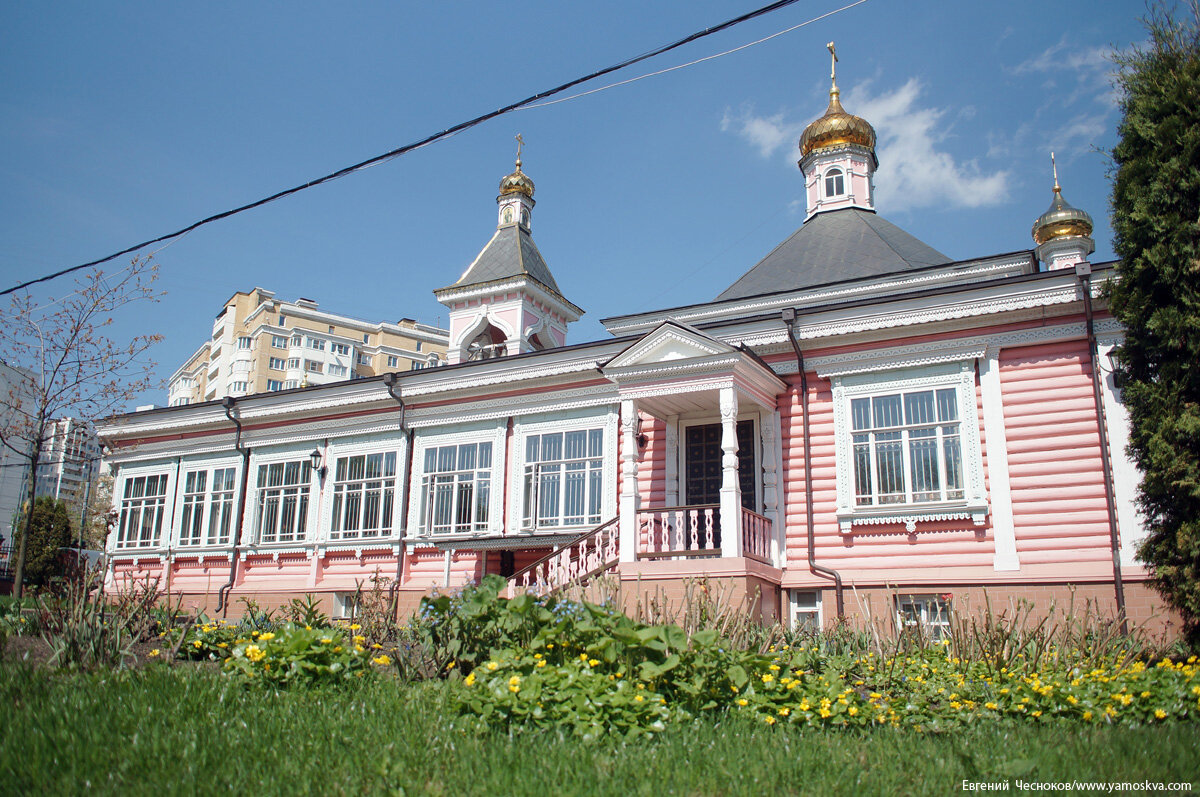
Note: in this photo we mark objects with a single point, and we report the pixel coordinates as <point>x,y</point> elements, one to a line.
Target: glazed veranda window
<point>563,478</point>
<point>907,448</point>
<point>456,488</point>
<point>142,504</point>
<point>364,490</point>
<point>207,507</point>
<point>281,501</point>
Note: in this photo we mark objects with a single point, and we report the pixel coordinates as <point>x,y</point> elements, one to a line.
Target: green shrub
<point>296,654</point>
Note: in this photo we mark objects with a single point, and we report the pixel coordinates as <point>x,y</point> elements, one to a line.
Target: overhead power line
<point>394,153</point>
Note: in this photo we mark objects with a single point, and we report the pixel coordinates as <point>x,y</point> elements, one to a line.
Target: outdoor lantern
<point>314,460</point>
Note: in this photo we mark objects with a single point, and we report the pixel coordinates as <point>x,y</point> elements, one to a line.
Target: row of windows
<point>563,486</point>
<point>926,615</point>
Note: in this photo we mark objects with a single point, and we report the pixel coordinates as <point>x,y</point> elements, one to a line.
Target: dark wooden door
<point>702,464</point>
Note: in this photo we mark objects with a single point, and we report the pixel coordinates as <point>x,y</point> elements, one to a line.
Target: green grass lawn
<point>187,731</point>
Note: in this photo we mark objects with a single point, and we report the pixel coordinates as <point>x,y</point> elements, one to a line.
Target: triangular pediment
<point>668,342</point>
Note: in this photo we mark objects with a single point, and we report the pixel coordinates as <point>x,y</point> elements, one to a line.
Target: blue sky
<point>125,122</point>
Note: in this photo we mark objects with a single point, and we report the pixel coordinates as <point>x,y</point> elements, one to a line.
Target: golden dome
<point>837,127</point>
<point>1061,220</point>
<point>517,183</point>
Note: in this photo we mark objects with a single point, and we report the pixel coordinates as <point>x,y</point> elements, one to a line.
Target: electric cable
<point>450,131</point>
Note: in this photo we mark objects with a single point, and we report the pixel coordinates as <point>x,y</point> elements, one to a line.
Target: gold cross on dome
<point>834,60</point>
<point>520,144</point>
<point>1054,168</point>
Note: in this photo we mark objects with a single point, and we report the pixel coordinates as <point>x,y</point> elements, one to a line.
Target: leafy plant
<point>305,611</point>
<point>299,655</point>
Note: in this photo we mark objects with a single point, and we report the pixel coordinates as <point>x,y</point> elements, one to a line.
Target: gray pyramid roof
<point>510,253</point>
<point>834,247</point>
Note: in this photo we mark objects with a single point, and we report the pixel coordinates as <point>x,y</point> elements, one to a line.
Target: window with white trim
<point>274,385</point>
<point>207,506</point>
<point>337,370</point>
<point>278,363</point>
<point>291,384</point>
<point>239,387</point>
<point>416,366</point>
<point>393,361</point>
<point>806,610</point>
<point>340,348</point>
<point>316,344</point>
<point>245,342</point>
<point>908,446</point>
<point>835,183</point>
<point>279,341</point>
<point>364,492</point>
<point>928,615</point>
<point>293,363</point>
<point>314,367</point>
<point>364,359</point>
<point>143,502</point>
<point>456,488</point>
<point>564,476</point>
<point>297,340</point>
<point>281,500</point>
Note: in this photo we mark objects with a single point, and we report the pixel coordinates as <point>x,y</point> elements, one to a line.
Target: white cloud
<point>915,169</point>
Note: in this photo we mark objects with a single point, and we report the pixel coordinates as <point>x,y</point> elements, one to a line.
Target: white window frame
<point>396,447</point>
<point>491,432</point>
<point>393,361</point>
<point>605,420</point>
<point>274,385</point>
<point>277,363</point>
<point>958,375</point>
<point>805,611</point>
<point>245,342</point>
<point>125,505</point>
<point>279,341</point>
<point>316,344</point>
<point>314,367</point>
<point>364,359</point>
<point>252,519</point>
<point>336,370</point>
<point>833,175</point>
<point>339,348</point>
<point>226,500</point>
<point>929,612</point>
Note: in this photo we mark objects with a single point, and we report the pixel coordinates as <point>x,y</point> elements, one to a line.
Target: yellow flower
<point>1160,714</point>
<point>222,645</point>
<point>1036,713</point>
<point>990,705</point>
<point>769,720</point>
<point>583,657</point>
<point>783,712</point>
<point>337,649</point>
<point>743,701</point>
<point>542,663</point>
<point>376,646</point>
<point>359,648</point>
<point>154,653</point>
<point>639,699</point>
<point>359,639</point>
<point>1145,694</point>
<point>1087,715</point>
<point>382,660</point>
<point>593,662</point>
<point>267,637</point>
<point>1072,699</point>
<point>197,644</point>
<point>824,712</point>
<point>326,640</point>
<point>804,705</point>
<point>514,681</point>
<point>470,679</point>
<point>853,710</point>
<point>255,653</point>
<point>766,679</point>
<point>355,627</point>
<point>491,665</point>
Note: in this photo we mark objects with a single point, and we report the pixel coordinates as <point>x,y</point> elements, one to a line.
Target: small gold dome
<point>837,127</point>
<point>1061,220</point>
<point>517,183</point>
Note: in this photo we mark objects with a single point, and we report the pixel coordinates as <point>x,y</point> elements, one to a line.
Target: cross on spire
<point>833,63</point>
<point>520,144</point>
<point>1054,168</point>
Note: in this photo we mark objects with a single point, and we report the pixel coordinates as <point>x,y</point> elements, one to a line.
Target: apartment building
<point>68,462</point>
<point>260,344</point>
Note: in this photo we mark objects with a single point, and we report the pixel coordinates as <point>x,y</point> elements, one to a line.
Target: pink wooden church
<point>856,418</point>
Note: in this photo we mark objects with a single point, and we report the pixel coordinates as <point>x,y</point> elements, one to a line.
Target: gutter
<point>789,318</point>
<point>1083,271</point>
<point>228,403</point>
<point>390,380</point>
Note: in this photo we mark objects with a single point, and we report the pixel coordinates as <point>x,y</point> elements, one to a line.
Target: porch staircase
<point>575,564</point>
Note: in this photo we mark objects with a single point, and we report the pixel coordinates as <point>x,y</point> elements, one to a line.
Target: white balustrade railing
<point>589,555</point>
<point>756,536</point>
<point>679,530</point>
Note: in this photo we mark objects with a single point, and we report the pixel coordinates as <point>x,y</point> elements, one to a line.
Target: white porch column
<point>769,432</point>
<point>629,482</point>
<point>731,494</point>
<point>1003,528</point>
<point>1126,477</point>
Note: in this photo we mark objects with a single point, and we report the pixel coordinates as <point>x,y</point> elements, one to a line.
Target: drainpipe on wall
<point>1083,271</point>
<point>789,318</point>
<point>228,403</point>
<point>390,381</point>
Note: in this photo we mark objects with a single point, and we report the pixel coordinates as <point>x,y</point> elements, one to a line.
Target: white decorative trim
<point>961,376</point>
<point>1003,525</point>
<point>606,421</point>
<point>494,433</point>
<point>396,443</point>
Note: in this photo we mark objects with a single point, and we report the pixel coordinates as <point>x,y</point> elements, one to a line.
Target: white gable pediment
<point>668,342</point>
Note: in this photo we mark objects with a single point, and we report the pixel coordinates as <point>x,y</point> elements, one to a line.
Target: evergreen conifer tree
<point>1156,225</point>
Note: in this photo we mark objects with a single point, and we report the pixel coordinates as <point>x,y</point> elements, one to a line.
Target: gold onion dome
<point>837,127</point>
<point>517,183</point>
<point>1061,220</point>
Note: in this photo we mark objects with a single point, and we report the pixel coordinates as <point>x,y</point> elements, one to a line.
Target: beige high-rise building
<point>260,344</point>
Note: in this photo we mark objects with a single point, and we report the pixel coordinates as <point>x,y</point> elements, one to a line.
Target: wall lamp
<point>314,459</point>
<point>642,439</point>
